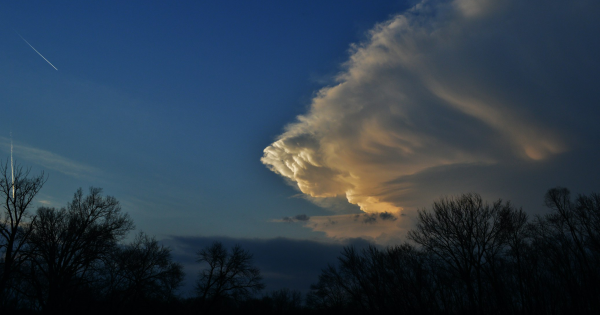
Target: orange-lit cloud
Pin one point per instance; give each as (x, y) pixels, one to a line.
(446, 84)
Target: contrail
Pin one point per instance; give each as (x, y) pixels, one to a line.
(36, 50)
(12, 168)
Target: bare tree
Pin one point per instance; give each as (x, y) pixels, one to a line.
(398, 279)
(228, 275)
(579, 221)
(141, 271)
(468, 235)
(568, 239)
(17, 191)
(67, 244)
(330, 292)
(285, 301)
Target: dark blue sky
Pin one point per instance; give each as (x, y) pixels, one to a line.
(171, 104)
(233, 119)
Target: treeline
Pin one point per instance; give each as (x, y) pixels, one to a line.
(469, 257)
(464, 256)
(72, 260)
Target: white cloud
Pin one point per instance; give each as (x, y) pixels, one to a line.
(446, 84)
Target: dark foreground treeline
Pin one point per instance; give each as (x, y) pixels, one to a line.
(474, 258)
(464, 257)
(72, 260)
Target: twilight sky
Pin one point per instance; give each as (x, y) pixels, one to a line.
(309, 122)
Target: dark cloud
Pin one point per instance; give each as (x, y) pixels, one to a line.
(287, 219)
(386, 216)
(284, 263)
(369, 218)
(302, 217)
(382, 228)
(296, 218)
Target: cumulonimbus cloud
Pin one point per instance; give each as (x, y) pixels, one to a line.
(464, 82)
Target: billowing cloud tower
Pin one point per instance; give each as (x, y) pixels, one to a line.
(445, 84)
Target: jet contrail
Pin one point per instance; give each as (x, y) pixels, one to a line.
(12, 170)
(36, 50)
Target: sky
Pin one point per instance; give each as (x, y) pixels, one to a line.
(306, 125)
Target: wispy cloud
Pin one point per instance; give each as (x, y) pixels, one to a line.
(49, 160)
(445, 84)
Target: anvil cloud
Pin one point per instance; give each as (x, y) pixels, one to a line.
(443, 85)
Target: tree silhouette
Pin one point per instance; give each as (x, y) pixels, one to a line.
(229, 275)
(17, 191)
(68, 244)
(397, 279)
(567, 240)
(140, 272)
(468, 235)
(285, 301)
